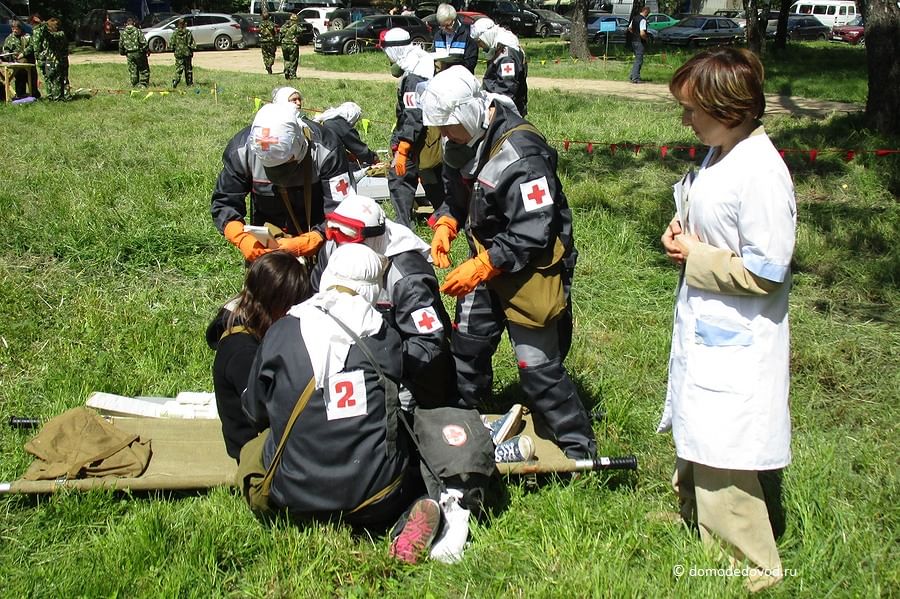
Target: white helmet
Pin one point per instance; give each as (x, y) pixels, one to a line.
(355, 219)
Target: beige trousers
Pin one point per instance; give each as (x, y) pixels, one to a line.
(729, 508)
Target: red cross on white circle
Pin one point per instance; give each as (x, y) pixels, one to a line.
(266, 141)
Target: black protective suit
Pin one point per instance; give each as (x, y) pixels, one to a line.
(243, 174)
(349, 136)
(507, 74)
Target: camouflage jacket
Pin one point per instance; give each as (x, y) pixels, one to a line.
(132, 41)
(182, 43)
(39, 41)
(267, 33)
(290, 35)
(18, 46)
(57, 45)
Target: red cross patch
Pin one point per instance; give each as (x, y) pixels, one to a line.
(340, 187)
(536, 194)
(507, 69)
(409, 100)
(426, 320)
(454, 435)
(266, 140)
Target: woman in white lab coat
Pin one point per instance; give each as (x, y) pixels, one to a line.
(733, 235)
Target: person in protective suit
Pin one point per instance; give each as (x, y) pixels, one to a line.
(410, 298)
(346, 456)
(519, 229)
(414, 66)
(293, 170)
(507, 67)
(342, 121)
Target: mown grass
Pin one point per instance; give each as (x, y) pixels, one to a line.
(111, 269)
(817, 70)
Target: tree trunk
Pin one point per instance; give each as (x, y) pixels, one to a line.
(781, 33)
(883, 54)
(578, 47)
(754, 43)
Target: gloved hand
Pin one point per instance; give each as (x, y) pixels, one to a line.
(247, 243)
(401, 157)
(302, 245)
(445, 230)
(466, 277)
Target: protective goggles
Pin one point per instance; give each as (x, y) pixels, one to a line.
(343, 229)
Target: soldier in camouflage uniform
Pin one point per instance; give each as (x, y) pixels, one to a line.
(290, 46)
(183, 46)
(133, 46)
(17, 47)
(54, 48)
(268, 41)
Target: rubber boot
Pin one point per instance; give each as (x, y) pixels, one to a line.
(552, 395)
(474, 372)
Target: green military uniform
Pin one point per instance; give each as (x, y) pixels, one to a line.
(54, 60)
(290, 47)
(19, 46)
(268, 43)
(133, 46)
(183, 46)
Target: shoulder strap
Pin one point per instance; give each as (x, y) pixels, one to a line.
(235, 330)
(526, 126)
(306, 166)
(301, 405)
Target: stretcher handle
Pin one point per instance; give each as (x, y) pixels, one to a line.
(23, 422)
(628, 462)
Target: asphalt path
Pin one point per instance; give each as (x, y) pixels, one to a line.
(250, 61)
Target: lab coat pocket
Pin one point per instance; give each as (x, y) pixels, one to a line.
(722, 357)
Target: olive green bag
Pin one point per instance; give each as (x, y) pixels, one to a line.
(253, 478)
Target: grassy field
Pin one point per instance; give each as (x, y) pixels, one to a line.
(111, 270)
(819, 70)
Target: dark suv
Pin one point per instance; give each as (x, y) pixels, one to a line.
(508, 14)
(101, 27)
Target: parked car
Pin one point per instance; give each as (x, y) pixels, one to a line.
(831, 12)
(802, 28)
(853, 32)
(550, 23)
(508, 14)
(155, 18)
(101, 28)
(251, 36)
(317, 16)
(702, 30)
(658, 20)
(341, 17)
(213, 30)
(364, 34)
(615, 37)
(6, 15)
(467, 17)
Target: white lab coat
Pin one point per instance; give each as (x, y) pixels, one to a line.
(727, 397)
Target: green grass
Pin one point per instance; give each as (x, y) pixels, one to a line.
(111, 270)
(816, 70)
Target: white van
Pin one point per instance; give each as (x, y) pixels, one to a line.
(830, 12)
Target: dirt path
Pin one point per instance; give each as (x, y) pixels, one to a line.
(250, 61)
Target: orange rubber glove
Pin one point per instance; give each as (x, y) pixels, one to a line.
(247, 243)
(445, 230)
(401, 157)
(302, 245)
(467, 276)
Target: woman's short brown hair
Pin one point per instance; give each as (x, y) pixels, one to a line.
(275, 282)
(726, 83)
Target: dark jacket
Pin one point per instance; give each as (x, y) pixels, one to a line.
(507, 74)
(461, 46)
(329, 467)
(242, 174)
(349, 136)
(409, 126)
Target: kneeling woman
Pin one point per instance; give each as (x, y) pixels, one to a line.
(345, 455)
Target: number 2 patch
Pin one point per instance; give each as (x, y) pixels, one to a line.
(345, 395)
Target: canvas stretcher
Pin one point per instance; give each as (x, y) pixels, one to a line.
(189, 454)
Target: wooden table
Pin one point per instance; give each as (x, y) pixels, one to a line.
(9, 70)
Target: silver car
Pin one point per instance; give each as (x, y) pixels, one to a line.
(219, 31)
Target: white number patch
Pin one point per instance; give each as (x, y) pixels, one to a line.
(409, 100)
(345, 395)
(536, 194)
